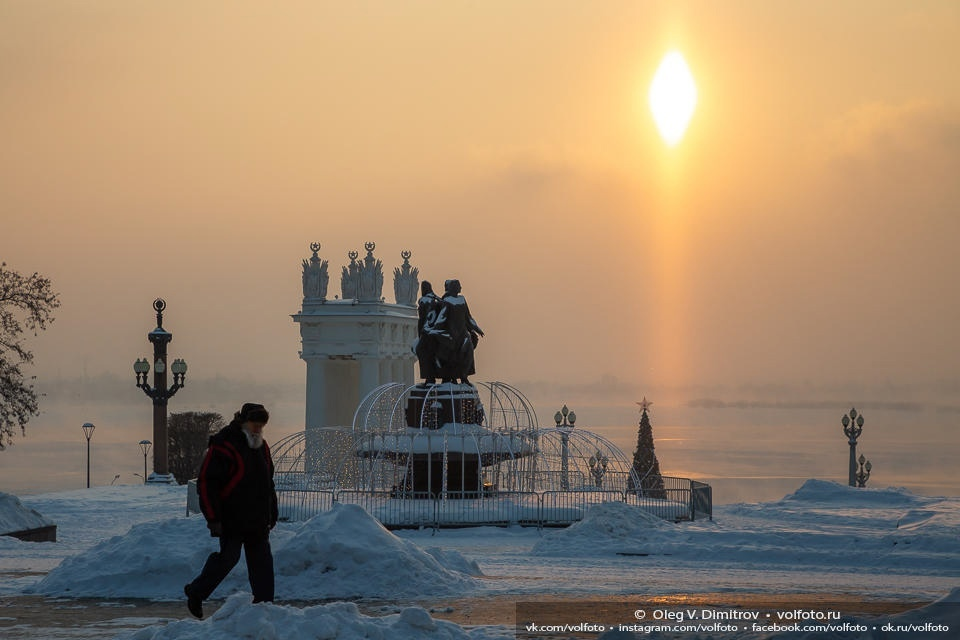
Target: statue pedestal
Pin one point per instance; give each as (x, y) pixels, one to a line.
(444, 449)
(433, 406)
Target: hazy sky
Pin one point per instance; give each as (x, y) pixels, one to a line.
(804, 232)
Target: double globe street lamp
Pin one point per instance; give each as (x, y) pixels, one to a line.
(159, 393)
(864, 473)
(852, 428)
(598, 467)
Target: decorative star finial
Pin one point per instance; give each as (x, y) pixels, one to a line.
(646, 404)
(159, 305)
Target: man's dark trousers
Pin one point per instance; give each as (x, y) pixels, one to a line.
(219, 563)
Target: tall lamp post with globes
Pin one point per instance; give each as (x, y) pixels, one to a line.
(88, 428)
(565, 420)
(864, 473)
(852, 428)
(598, 467)
(159, 392)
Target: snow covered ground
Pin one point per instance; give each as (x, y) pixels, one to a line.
(825, 542)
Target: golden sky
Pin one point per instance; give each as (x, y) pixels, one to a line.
(804, 230)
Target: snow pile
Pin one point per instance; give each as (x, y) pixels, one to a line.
(237, 619)
(455, 561)
(14, 517)
(84, 518)
(343, 553)
(346, 553)
(823, 524)
(846, 526)
(153, 560)
(611, 528)
(828, 492)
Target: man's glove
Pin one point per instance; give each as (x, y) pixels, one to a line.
(216, 529)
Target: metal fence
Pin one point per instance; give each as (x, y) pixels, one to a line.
(394, 510)
(679, 499)
(701, 501)
(558, 508)
(670, 499)
(303, 504)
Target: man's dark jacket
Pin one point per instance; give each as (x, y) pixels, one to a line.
(235, 485)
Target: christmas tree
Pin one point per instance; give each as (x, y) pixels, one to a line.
(646, 467)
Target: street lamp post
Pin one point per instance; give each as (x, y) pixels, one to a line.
(852, 427)
(159, 392)
(598, 467)
(565, 420)
(145, 447)
(88, 428)
(864, 473)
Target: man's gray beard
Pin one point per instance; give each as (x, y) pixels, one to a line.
(255, 440)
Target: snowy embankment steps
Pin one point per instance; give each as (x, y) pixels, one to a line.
(342, 553)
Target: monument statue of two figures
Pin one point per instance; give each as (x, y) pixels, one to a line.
(448, 335)
(428, 307)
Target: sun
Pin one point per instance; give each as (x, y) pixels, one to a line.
(673, 97)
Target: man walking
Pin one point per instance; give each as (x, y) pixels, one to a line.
(239, 501)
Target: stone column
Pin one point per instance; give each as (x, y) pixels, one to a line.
(316, 391)
(369, 375)
(396, 371)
